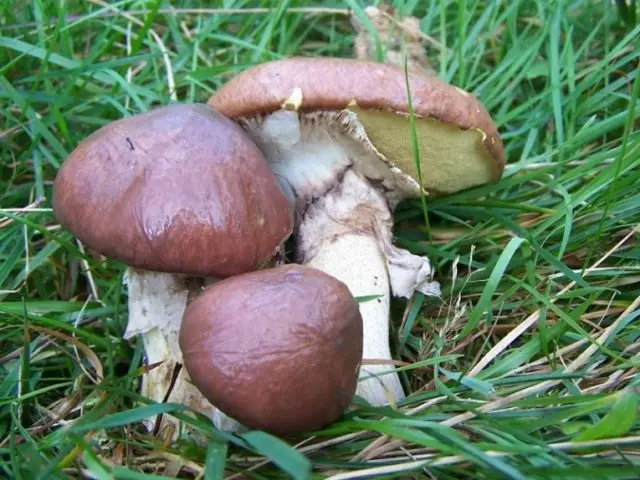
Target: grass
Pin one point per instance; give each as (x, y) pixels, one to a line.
(527, 367)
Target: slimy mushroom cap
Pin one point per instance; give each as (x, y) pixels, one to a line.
(179, 189)
(277, 349)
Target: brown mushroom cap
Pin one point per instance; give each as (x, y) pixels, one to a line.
(179, 189)
(277, 349)
(459, 143)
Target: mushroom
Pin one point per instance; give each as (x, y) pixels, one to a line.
(336, 132)
(277, 349)
(182, 196)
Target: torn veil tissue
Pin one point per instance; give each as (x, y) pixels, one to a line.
(409, 273)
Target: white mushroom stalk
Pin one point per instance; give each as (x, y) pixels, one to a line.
(344, 224)
(156, 304)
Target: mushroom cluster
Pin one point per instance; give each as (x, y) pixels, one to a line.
(198, 201)
(336, 132)
(183, 197)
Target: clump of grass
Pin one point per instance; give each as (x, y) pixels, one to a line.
(526, 368)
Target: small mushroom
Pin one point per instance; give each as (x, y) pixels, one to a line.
(277, 349)
(336, 132)
(175, 193)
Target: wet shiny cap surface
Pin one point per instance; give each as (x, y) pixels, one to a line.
(278, 349)
(178, 189)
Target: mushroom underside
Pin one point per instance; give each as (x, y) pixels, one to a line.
(345, 191)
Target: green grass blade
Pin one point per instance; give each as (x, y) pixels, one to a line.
(280, 453)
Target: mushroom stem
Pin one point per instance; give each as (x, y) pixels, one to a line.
(347, 233)
(356, 260)
(157, 302)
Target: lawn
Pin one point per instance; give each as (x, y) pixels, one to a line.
(526, 367)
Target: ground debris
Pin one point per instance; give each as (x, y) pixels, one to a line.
(399, 36)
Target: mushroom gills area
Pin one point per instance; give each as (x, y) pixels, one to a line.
(311, 155)
(156, 303)
(451, 159)
(345, 227)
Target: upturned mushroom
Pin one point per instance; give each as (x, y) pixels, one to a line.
(277, 349)
(336, 132)
(183, 196)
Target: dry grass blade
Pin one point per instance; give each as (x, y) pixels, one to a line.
(194, 11)
(534, 317)
(384, 446)
(541, 387)
(171, 83)
(88, 352)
